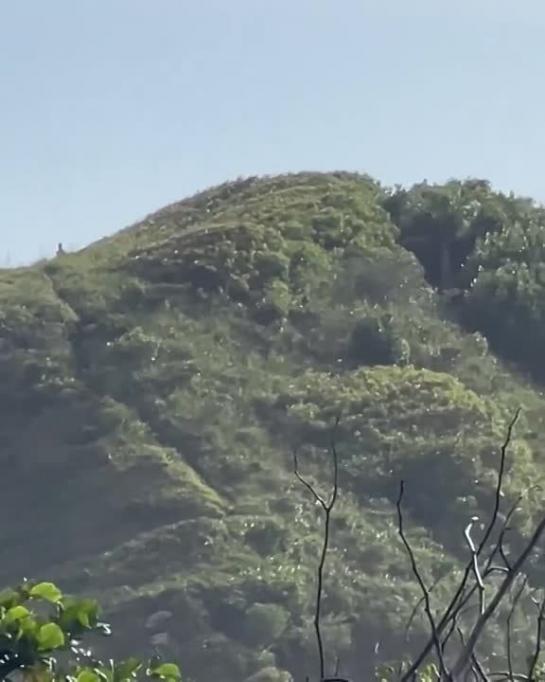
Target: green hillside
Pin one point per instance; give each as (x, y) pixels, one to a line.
(154, 385)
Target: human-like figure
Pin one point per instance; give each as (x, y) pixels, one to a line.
(60, 249)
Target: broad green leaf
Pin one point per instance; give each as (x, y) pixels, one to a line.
(16, 613)
(80, 613)
(87, 675)
(167, 670)
(126, 670)
(50, 636)
(9, 598)
(27, 627)
(47, 591)
(86, 612)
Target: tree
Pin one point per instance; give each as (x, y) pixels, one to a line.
(442, 223)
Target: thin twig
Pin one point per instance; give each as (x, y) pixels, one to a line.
(516, 598)
(489, 568)
(425, 591)
(450, 631)
(475, 562)
(476, 668)
(499, 485)
(417, 606)
(454, 603)
(327, 506)
(498, 547)
(539, 631)
(479, 626)
(479, 668)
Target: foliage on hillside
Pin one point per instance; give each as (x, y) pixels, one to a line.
(154, 384)
(490, 245)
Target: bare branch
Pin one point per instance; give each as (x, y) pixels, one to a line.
(475, 562)
(425, 591)
(450, 631)
(335, 456)
(476, 667)
(498, 547)
(307, 485)
(539, 633)
(479, 626)
(516, 598)
(460, 597)
(417, 606)
(327, 507)
(499, 485)
(488, 568)
(479, 669)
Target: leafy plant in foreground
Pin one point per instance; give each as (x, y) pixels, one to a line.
(41, 633)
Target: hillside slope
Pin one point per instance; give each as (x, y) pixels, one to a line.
(154, 385)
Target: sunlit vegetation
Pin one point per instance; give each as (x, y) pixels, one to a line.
(154, 384)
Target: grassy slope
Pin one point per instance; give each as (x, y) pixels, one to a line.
(153, 385)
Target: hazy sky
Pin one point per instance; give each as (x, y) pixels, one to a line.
(112, 108)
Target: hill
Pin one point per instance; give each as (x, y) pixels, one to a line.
(154, 385)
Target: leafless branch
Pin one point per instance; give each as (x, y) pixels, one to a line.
(327, 506)
(479, 668)
(489, 568)
(516, 599)
(476, 667)
(462, 594)
(479, 626)
(498, 547)
(420, 580)
(539, 633)
(475, 562)
(417, 606)
(499, 485)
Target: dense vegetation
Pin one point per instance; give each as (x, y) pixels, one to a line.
(154, 384)
(492, 247)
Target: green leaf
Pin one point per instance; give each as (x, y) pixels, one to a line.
(87, 675)
(126, 670)
(50, 636)
(86, 612)
(27, 627)
(167, 670)
(9, 598)
(47, 591)
(77, 614)
(16, 613)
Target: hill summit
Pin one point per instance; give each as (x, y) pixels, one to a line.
(154, 385)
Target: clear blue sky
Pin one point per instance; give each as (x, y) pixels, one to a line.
(112, 108)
